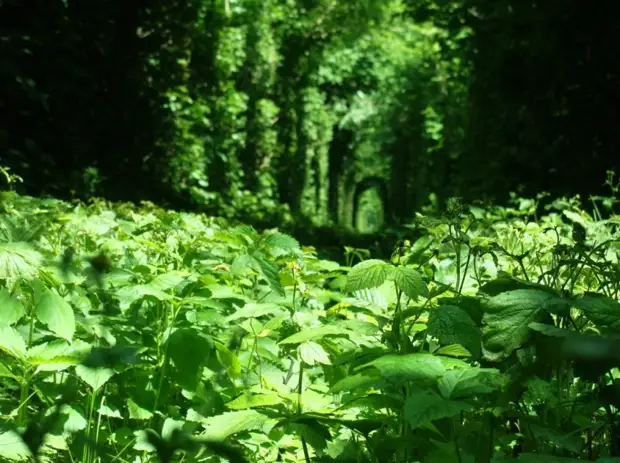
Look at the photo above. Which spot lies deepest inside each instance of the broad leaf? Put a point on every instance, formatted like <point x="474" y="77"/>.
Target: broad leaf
<point x="315" y="333"/>
<point x="12" y="447"/>
<point x="508" y="316"/>
<point x="452" y="325"/>
<point x="12" y="342"/>
<point x="468" y="382"/>
<point x="252" y="310"/>
<point x="418" y="366"/>
<point x="370" y="273"/>
<point x="18" y="260"/>
<point x="313" y="353"/>
<point x="130" y="294"/>
<point x="94" y="377"/>
<point x="11" y="310"/>
<point x="189" y="350"/>
<point x="54" y="311"/>
<point x="271" y="272"/>
<point x="281" y="244"/>
<point x="222" y="426"/>
<point x="601" y="310"/>
<point x="263" y="399"/>
<point x="409" y="281"/>
<point x="57" y="355"/>
<point x="422" y="408"/>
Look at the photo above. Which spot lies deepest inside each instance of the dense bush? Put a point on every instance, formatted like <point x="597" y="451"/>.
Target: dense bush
<point x="132" y="331"/>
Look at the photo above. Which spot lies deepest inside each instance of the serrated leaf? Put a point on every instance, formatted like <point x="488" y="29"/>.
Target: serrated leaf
<point x="94" y="377"/>
<point x="57" y="354"/>
<point x="550" y="330"/>
<point x="228" y="358"/>
<point x="409" y="281"/>
<point x="313" y="353"/>
<point x="167" y="281"/>
<point x="11" y="310"/>
<point x="253" y="310"/>
<point x="413" y="367"/>
<point x="370" y="273"/>
<point x="12" y="342"/>
<point x="18" y="260"/>
<point x="136" y="412"/>
<point x="222" y="426"/>
<point x="507" y="283"/>
<point x="281" y="243"/>
<point x="74" y="420"/>
<point x="601" y="310"/>
<point x="263" y="399"/>
<point x="422" y="408"/>
<point x="468" y="382"/>
<point x="508" y="316"/>
<point x="189" y="367"/>
<point x="127" y="295"/>
<point x="52" y="310"/>
<point x="12" y="447"/>
<point x="271" y="272"/>
<point x="315" y="333"/>
<point x="452" y="325"/>
<point x="453" y="350"/>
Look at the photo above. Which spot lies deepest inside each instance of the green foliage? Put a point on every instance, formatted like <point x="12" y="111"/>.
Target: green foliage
<point x="133" y="332"/>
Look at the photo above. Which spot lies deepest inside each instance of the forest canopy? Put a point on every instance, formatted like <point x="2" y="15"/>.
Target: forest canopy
<point x="268" y="109"/>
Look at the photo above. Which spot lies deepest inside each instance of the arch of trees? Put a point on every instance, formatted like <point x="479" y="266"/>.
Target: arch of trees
<point x="257" y="107"/>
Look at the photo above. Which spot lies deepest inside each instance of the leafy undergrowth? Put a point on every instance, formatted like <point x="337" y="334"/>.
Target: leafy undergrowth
<point x="138" y="334"/>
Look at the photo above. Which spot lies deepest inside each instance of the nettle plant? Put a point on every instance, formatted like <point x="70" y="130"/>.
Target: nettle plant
<point x="138" y="334"/>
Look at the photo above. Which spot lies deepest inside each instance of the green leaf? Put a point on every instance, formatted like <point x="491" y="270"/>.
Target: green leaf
<point x="18" y="260"/>
<point x="453" y="350"/>
<point x="370" y="273"/>
<point x="601" y="310"/>
<point x="413" y="367"/>
<point x="253" y="310"/>
<point x="263" y="399"/>
<point x="57" y="354"/>
<point x="281" y="243"/>
<point x="508" y="316"/>
<point x="422" y="408"/>
<point x="222" y="426"/>
<point x="167" y="281"/>
<point x="189" y="350"/>
<point x="507" y="283"/>
<point x="54" y="311"/>
<point x="550" y="330"/>
<point x="313" y="353"/>
<point x="12" y="447"/>
<point x="452" y="325"/>
<point x="74" y="420"/>
<point x="11" y="310"/>
<point x="136" y="412"/>
<point x="409" y="281"/>
<point x="11" y="342"/>
<point x="130" y="294"/>
<point x="469" y="382"/>
<point x="228" y="358"/>
<point x="271" y="272"/>
<point x="5" y="372"/>
<point x="315" y="333"/>
<point x="94" y="377"/>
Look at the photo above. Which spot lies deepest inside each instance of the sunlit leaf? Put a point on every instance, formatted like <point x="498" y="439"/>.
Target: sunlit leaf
<point x="424" y="407"/>
<point x="52" y="310"/>
<point x="370" y="273"/>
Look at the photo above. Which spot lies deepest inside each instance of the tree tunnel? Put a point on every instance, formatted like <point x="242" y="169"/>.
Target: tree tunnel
<point x="369" y="204"/>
